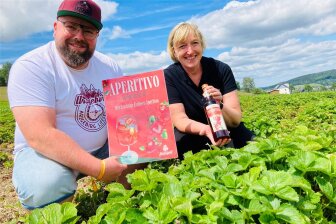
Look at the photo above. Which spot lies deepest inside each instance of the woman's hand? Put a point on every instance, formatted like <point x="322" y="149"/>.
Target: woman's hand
<point x="215" y="93"/>
<point x="206" y="131"/>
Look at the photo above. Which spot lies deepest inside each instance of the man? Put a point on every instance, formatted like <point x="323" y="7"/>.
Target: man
<point x="55" y="93"/>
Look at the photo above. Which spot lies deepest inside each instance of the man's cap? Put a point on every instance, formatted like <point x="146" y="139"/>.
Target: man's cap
<point x="83" y="9"/>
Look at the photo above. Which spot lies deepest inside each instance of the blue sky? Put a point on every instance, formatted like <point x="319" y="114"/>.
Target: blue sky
<point x="268" y="40"/>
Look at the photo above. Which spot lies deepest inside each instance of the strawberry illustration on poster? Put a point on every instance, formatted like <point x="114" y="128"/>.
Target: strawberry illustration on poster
<point x="138" y="118"/>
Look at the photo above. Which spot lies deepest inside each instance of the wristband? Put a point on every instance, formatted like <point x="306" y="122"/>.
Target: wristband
<point x="102" y="170"/>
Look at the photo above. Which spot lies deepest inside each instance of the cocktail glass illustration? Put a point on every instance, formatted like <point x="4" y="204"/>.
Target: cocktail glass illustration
<point x="127" y="135"/>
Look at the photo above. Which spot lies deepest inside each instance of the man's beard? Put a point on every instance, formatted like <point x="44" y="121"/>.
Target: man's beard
<point x="73" y="58"/>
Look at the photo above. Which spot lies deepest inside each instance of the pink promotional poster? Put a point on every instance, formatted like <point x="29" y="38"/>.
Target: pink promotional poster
<point x="138" y="118"/>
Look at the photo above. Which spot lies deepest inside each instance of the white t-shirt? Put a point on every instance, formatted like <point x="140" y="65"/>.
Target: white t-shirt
<point x="41" y="78"/>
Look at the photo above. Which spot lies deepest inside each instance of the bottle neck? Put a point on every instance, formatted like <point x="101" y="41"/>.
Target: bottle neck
<point x="206" y="94"/>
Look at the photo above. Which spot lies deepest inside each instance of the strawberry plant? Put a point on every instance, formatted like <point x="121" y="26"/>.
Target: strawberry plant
<point x="287" y="175"/>
<point x="7" y="123"/>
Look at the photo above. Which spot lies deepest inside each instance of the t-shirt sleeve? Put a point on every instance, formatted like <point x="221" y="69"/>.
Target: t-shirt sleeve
<point x="173" y="93"/>
<point x="30" y="84"/>
<point x="227" y="78"/>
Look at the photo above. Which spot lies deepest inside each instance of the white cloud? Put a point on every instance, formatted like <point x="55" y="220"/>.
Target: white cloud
<point x="270" y="40"/>
<point x="266" y="22"/>
<point x="141" y="61"/>
<point x="21" y="18"/>
<point x="108" y="8"/>
<point x="118" y="32"/>
<point x="270" y="65"/>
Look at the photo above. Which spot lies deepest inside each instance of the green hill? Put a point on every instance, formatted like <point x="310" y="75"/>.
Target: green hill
<point x="326" y="78"/>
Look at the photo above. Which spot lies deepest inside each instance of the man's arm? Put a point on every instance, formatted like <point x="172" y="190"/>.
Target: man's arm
<point x="38" y="125"/>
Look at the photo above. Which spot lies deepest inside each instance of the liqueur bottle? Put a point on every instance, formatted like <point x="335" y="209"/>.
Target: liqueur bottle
<point x="214" y="116"/>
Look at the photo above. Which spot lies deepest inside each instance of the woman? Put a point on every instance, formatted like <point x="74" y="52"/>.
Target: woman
<point x="184" y="79"/>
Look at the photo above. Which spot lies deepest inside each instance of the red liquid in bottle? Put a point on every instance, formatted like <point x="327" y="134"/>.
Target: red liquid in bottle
<point x="214" y="116"/>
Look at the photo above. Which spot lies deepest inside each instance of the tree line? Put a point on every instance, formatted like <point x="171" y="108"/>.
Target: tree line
<point x="4" y="73"/>
<point x="248" y="84"/>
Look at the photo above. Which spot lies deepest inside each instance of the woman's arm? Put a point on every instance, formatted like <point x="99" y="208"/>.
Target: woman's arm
<point x="231" y="109"/>
<point x="231" y="105"/>
<point x="186" y="125"/>
<point x="182" y="122"/>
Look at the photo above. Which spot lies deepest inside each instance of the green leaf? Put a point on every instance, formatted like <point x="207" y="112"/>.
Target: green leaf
<point x="277" y="154"/>
<point x="140" y="181"/>
<point x="308" y="206"/>
<point x="274" y="202"/>
<point x="290" y="214"/>
<point x="251" y="176"/>
<point x="332" y="158"/>
<point x="152" y="215"/>
<point x="288" y="193"/>
<point x="326" y="187"/>
<point x="246" y="160"/>
<point x="252" y="148"/>
<point x="146" y="180"/>
<point x="192" y="195"/>
<point x="237" y="217"/>
<point x="102" y="210"/>
<point x="267" y="218"/>
<point x="135" y="216"/>
<point x="116" y="214"/>
<point x="323" y="165"/>
<point x="230" y="180"/>
<point x="234" y="216"/>
<point x="234" y="200"/>
<point x="234" y="167"/>
<point x="312" y="146"/>
<point x="302" y="160"/>
<point x="166" y="213"/>
<point x="173" y="188"/>
<point x="35" y="217"/>
<point x="271" y="181"/>
<point x="182" y="206"/>
<point x="208" y="173"/>
<point x="214" y="207"/>
<point x="69" y="213"/>
<point x="197" y="218"/>
<point x="298" y="181"/>
<point x="213" y="195"/>
<point x="118" y="193"/>
<point x="255" y="207"/>
<point x="54" y="214"/>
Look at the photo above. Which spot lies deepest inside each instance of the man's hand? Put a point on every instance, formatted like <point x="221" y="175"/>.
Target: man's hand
<point x="113" y="169"/>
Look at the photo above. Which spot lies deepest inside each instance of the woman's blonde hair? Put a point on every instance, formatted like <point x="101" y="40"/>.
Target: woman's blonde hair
<point x="179" y="34"/>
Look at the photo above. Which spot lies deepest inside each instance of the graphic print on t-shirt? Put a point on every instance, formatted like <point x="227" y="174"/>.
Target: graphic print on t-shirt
<point x="90" y="111"/>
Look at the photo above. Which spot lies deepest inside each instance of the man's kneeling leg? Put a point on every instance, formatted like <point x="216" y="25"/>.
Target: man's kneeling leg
<point x="40" y="181"/>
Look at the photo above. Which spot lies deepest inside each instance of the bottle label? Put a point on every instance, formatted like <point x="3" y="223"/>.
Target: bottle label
<point x="215" y="117"/>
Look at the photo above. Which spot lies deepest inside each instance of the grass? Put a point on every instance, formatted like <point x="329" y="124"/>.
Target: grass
<point x="3" y="93"/>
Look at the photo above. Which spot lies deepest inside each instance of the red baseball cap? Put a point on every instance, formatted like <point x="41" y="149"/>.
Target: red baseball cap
<point x="83" y="9"/>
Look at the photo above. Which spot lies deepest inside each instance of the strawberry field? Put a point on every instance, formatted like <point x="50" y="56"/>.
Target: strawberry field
<point x="286" y="175"/>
